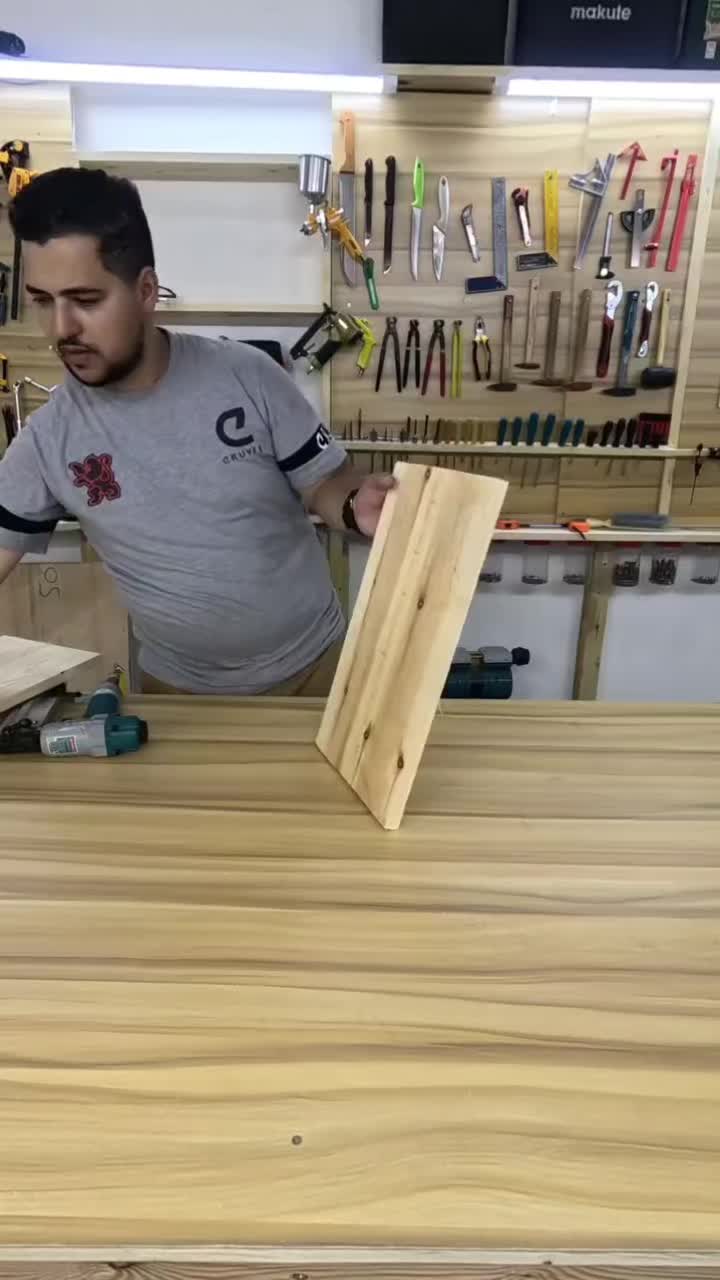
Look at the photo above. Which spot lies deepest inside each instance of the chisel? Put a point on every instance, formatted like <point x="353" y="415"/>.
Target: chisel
<point x="582" y="328"/>
<point x="622" y="387"/>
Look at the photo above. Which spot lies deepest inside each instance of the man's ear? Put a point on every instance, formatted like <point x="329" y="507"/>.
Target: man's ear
<point x="148" y="288"/>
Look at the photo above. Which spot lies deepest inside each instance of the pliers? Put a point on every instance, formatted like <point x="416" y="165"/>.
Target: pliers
<point x="481" y="342"/>
<point x="413" y="340"/>
<point x="438" y="335"/>
<point x="390" y="332"/>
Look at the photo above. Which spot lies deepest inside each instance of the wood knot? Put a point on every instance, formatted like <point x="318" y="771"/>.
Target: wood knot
<point x="421" y="602"/>
<point x="366" y="733"/>
<point x="297" y="1140"/>
<point x="401" y="762"/>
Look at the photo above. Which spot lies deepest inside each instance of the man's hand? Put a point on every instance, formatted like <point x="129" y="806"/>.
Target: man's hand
<point x="369" y="502"/>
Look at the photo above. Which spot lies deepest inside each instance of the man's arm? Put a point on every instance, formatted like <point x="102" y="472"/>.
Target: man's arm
<point x="327" y="499"/>
<point x="8" y="560"/>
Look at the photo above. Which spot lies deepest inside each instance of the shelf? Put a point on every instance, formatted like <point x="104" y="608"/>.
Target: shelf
<point x="286" y="313"/>
<point x="591" y="453"/>
<point x="187" y="166"/>
<point x="434" y="77"/>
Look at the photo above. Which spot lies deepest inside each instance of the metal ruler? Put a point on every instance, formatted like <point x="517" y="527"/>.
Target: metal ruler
<point x="551" y="195"/>
<point x="499" y="280"/>
<point x="499" y="231"/>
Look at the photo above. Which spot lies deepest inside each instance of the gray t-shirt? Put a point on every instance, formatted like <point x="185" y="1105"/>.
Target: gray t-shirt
<point x="189" y="494"/>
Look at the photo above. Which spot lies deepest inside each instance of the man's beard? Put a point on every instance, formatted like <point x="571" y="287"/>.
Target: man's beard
<point x="114" y="372"/>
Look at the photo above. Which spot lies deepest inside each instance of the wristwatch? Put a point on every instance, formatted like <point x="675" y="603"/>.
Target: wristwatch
<point x="348" y="512"/>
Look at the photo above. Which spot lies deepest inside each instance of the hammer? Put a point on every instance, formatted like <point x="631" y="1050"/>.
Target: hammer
<point x="658" y="375"/>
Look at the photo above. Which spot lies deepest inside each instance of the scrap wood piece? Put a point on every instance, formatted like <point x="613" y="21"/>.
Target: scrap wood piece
<point x="420" y="578"/>
<point x="29" y="667"/>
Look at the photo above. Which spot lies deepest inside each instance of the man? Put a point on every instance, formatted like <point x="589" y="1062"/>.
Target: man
<point x="189" y="463"/>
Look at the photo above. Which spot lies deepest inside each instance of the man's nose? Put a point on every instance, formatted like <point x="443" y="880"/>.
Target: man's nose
<point x="66" y="321"/>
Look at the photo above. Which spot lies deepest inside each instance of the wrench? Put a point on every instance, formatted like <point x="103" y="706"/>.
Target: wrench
<point x="651" y="293"/>
<point x="613" y="298"/>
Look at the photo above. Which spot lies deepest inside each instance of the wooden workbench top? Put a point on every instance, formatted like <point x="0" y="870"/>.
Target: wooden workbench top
<point x="234" y="1011"/>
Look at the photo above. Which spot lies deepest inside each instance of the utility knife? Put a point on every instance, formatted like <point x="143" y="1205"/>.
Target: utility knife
<point x="440" y="227"/>
<point x="347" y="191"/>
<point x="390" y="172"/>
<point x="368" y="202"/>
<point x="416" y="216"/>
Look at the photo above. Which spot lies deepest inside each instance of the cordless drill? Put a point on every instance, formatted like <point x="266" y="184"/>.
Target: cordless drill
<point x="103" y="731"/>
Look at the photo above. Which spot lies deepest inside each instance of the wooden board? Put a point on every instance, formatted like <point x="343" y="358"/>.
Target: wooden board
<point x="420" y="578"/>
<point x="28" y="667"/>
<point x="496" y="1029"/>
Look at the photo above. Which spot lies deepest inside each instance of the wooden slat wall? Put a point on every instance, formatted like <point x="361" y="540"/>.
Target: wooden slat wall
<point x="472" y="139"/>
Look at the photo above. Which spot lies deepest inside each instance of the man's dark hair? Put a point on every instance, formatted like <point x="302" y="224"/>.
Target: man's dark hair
<point x="87" y="202"/>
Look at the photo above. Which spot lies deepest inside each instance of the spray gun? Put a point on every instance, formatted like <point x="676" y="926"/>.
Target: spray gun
<point x="341" y="329"/>
<point x="103" y="731"/>
<point x="314" y="177"/>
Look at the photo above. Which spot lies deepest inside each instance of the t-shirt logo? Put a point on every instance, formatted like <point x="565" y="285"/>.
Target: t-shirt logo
<point x="95" y="473"/>
<point x="322" y="436"/>
<point x="229" y="429"/>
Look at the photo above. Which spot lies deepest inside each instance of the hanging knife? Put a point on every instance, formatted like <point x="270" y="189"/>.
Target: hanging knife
<point x="390" y="169"/>
<point x="466" y="217"/>
<point x="368" y="202"/>
<point x="347" y="190"/>
<point x="416" y="216"/>
<point x="440" y="227"/>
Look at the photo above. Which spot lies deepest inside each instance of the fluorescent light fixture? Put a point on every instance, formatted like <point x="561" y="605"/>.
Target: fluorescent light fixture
<point x="676" y="90"/>
<point x="19" y="69"/>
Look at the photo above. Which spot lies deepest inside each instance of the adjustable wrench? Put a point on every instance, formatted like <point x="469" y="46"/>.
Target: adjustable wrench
<point x="651" y="293"/>
<point x="613" y="298"/>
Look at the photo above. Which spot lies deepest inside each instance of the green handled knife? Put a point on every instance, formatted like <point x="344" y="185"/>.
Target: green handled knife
<point x="416" y="216"/>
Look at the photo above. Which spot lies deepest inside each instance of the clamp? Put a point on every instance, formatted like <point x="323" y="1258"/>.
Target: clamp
<point x="481" y="343"/>
<point x="390" y="332"/>
<point x="413" y="340"/>
<point x="438" y="335"/>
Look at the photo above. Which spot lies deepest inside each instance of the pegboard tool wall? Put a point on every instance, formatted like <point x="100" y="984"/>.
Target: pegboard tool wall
<point x="472" y="139"/>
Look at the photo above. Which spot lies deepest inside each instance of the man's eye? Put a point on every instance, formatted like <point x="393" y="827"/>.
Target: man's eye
<point x="41" y="302"/>
<point x="89" y="302"/>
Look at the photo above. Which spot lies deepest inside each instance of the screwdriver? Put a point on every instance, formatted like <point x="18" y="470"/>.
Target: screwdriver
<point x="517" y="427"/>
<point x="630" y="434"/>
<point x="619" y="433"/>
<point x="565" y="433"/>
<point x="548" y="428"/>
<point x="578" y="431"/>
<point x="606" y="433"/>
<point x="502" y="430"/>
<point x="532" y="427"/>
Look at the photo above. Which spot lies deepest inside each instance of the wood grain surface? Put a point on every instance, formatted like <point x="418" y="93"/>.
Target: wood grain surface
<point x="419" y="581"/>
<point x="29" y="667"/>
<point x="234" y="1011"/>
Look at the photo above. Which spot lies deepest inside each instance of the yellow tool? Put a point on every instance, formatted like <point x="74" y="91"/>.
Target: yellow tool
<point x="369" y="343"/>
<point x="456" y="361"/>
<point x="552" y="215"/>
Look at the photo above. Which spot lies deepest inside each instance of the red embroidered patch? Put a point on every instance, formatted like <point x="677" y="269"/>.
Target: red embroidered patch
<point x="95" y="473"/>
